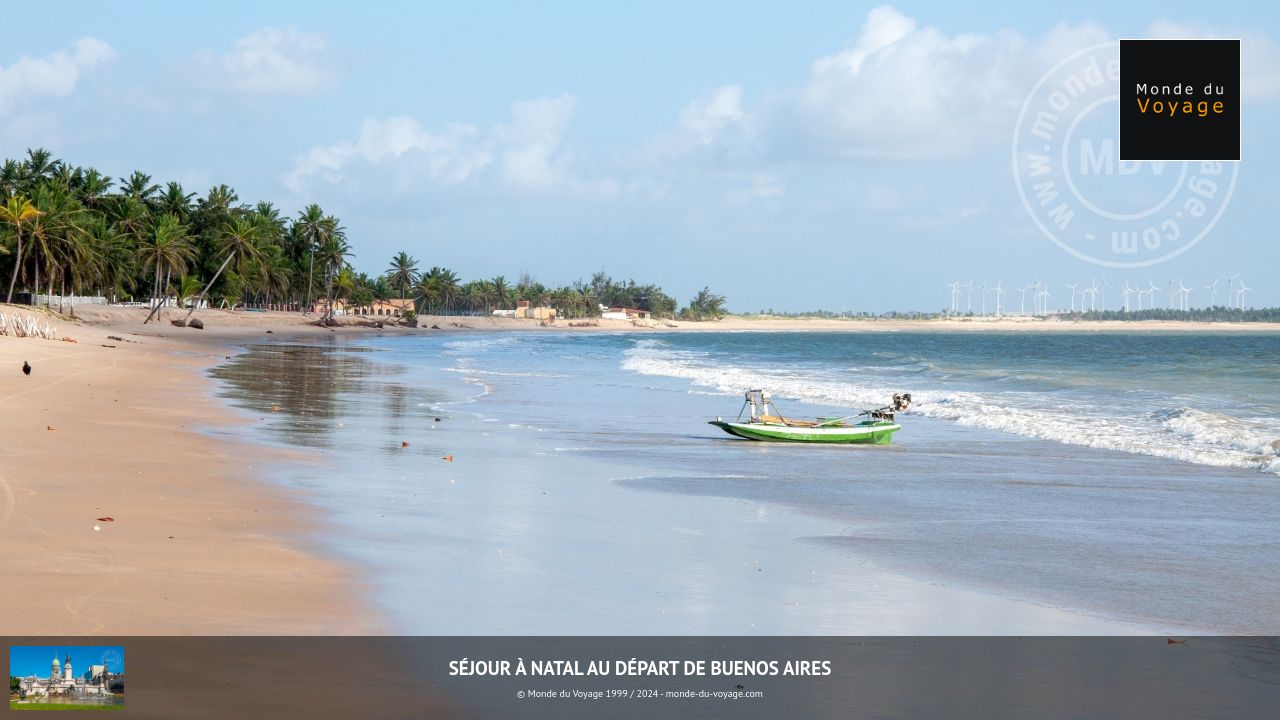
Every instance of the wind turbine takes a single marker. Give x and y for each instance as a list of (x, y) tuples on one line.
[(1073, 287), (1213, 290), (1240, 294), (1151, 294), (1128, 292), (1103, 290), (1042, 294), (984, 297), (999, 298), (1230, 280), (955, 290), (1184, 296), (969, 305), (1022, 303)]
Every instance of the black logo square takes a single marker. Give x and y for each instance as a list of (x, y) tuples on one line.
[(1179, 99)]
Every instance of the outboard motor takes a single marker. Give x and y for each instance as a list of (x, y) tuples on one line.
[(901, 402)]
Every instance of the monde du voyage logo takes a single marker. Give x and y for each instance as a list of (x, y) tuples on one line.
[(1124, 152)]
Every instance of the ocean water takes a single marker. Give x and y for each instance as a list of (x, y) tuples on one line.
[(569, 483)]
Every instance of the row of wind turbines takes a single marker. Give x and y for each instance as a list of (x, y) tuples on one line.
[(1093, 297)]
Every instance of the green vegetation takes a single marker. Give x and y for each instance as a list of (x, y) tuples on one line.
[(1213, 314), (14, 683), (15, 705), (68, 230), (439, 291), (705, 306), (73, 230)]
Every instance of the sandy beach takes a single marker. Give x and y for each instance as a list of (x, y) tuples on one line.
[(118, 515), (116, 425), (240, 324)]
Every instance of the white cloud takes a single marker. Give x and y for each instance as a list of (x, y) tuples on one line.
[(274, 61), (529, 143), (525, 153), (903, 90), (54, 75), (713, 130), (708, 116), (1259, 57)]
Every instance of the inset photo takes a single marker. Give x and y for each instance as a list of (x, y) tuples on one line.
[(73, 677)]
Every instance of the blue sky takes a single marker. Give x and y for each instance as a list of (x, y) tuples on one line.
[(37, 659), (726, 144)]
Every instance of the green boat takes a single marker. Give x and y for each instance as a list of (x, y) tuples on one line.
[(766, 423)]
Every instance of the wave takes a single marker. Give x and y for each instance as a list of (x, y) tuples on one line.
[(497, 373), (1178, 433)]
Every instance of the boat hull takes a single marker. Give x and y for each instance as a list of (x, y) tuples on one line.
[(878, 434)]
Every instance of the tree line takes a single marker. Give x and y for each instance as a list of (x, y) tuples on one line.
[(75, 230), (70, 230)]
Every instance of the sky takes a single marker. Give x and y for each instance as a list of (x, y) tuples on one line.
[(842, 156), (36, 659)]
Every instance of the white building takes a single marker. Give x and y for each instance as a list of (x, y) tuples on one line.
[(62, 681)]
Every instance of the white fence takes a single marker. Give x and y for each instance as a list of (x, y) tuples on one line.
[(56, 300)]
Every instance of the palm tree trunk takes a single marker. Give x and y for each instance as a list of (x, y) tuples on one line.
[(311, 268), (17, 263), (328, 297), (204, 292)]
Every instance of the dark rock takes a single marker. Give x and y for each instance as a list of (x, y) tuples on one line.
[(196, 323)]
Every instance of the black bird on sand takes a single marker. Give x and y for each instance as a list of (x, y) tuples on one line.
[(26, 368)]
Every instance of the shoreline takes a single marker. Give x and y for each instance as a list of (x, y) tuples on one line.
[(246, 555), (244, 323), (124, 512)]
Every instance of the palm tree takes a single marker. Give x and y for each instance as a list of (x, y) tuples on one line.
[(448, 285), (270, 272), (427, 292), (188, 286), (501, 292), (38, 167), (311, 222), (403, 273), (168, 249), (345, 284), (175, 201), (444, 285), (132, 217), (92, 188), (55, 240), (17, 211), (115, 254), (10, 178), (239, 243), (139, 187), (332, 256)]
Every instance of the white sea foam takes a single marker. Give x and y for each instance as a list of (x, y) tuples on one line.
[(1179, 433)]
